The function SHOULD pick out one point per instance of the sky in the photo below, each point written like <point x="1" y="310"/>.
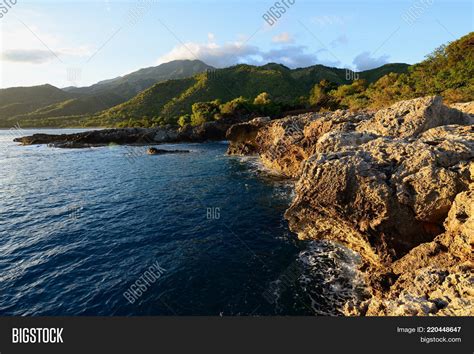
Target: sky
<point x="78" y="43"/>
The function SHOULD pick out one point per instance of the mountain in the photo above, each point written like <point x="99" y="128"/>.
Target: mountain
<point x="166" y="91"/>
<point x="172" y="99"/>
<point x="21" y="100"/>
<point x="47" y="103"/>
<point x="129" y="85"/>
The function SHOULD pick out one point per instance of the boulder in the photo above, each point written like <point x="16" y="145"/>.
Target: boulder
<point x="155" y="151"/>
<point x="410" y="118"/>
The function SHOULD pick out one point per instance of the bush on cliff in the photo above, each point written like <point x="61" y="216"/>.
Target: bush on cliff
<point x="238" y="107"/>
<point x="184" y="120"/>
<point x="448" y="71"/>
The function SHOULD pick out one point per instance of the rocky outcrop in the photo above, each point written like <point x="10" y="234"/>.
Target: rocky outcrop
<point x="280" y="144"/>
<point x="435" y="278"/>
<point x="413" y="117"/>
<point x="92" y="138"/>
<point x="133" y="136"/>
<point x="155" y="151"/>
<point x="284" y="144"/>
<point x="393" y="185"/>
<point x="242" y="136"/>
<point x="467" y="107"/>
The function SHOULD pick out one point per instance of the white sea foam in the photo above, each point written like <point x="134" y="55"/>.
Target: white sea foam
<point x="324" y="277"/>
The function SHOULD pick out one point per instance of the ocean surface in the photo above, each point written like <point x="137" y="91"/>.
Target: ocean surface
<point x="81" y="230"/>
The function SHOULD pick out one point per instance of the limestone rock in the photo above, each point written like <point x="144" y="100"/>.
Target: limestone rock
<point x="242" y="136"/>
<point x="393" y="185"/>
<point x="371" y="187"/>
<point x="435" y="278"/>
<point x="410" y="118"/>
<point x="280" y="144"/>
<point x="467" y="107"/>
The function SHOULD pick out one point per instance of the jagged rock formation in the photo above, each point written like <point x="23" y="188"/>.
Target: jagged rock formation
<point x="242" y="136"/>
<point x="393" y="185"/>
<point x="140" y="136"/>
<point x="435" y="278"/>
<point x="410" y="118"/>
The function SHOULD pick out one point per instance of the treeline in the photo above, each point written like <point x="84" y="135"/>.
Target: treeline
<point x="448" y="71"/>
<point x="241" y="108"/>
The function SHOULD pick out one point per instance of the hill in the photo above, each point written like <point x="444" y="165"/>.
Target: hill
<point x="21" y="100"/>
<point x="40" y="105"/>
<point x="166" y="102"/>
<point x="129" y="85"/>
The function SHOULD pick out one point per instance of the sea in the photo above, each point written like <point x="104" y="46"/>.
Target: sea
<point x="112" y="231"/>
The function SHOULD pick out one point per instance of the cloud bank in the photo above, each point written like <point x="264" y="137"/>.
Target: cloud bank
<point x="32" y="56"/>
<point x="231" y="53"/>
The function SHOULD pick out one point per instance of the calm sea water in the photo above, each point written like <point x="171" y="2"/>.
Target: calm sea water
<point x="79" y="227"/>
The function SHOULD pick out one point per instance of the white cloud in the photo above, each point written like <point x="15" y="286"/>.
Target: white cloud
<point x="40" y="56"/>
<point x="365" y="61"/>
<point x="284" y="37"/>
<point x="231" y="53"/>
<point x="28" y="54"/>
<point x="32" y="56"/>
<point x="211" y="53"/>
<point x="211" y="37"/>
<point x="31" y="45"/>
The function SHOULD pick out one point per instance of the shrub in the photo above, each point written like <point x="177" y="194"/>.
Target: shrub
<point x="184" y="120"/>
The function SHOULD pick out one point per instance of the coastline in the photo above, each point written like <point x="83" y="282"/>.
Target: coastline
<point x="396" y="186"/>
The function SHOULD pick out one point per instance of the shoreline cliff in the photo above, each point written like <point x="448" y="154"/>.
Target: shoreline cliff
<point x="396" y="186"/>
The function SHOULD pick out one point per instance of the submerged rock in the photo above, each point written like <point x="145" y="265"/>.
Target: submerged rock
<point x="155" y="151"/>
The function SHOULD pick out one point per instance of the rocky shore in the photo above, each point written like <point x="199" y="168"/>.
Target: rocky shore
<point x="396" y="185"/>
<point x="133" y="136"/>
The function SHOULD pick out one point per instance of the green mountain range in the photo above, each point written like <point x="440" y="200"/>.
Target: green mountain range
<point x="192" y="92"/>
<point x="47" y="105"/>
<point x="169" y="100"/>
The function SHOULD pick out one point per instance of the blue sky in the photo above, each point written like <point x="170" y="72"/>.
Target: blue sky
<point x="78" y="43"/>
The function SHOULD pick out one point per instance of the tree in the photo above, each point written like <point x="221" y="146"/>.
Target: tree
<point x="204" y="112"/>
<point x="351" y="96"/>
<point x="319" y="96"/>
<point x="238" y="107"/>
<point x="262" y="99"/>
<point x="389" y="89"/>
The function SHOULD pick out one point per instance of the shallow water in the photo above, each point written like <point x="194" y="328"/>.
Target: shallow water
<point x="79" y="227"/>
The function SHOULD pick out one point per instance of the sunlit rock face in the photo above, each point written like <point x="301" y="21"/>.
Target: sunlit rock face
<point x="396" y="186"/>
